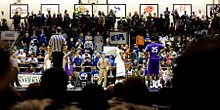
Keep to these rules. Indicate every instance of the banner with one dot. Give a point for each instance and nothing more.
(9, 35)
(26, 79)
(118, 37)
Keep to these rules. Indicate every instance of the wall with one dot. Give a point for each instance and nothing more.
(132, 5)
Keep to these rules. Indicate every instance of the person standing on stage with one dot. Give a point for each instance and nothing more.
(56, 45)
(15, 68)
(103, 65)
(153, 50)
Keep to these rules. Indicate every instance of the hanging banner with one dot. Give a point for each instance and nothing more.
(118, 37)
(9, 35)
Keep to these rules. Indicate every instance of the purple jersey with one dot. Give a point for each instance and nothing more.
(154, 49)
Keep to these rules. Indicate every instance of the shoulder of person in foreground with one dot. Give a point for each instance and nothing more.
(130, 106)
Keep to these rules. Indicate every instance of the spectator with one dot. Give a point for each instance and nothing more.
(93, 98)
(54, 84)
(16, 21)
(32, 60)
(21, 56)
(8, 96)
(98, 42)
(118, 96)
(30, 69)
(191, 64)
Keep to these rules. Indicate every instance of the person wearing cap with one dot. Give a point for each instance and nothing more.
(103, 65)
(56, 44)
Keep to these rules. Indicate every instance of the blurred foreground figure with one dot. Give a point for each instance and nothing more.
(195, 83)
(8, 96)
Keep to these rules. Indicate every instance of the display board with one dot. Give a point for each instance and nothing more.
(53, 8)
(118, 9)
(212, 8)
(22, 10)
(146, 9)
(181, 8)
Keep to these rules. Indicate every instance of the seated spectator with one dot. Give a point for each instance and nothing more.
(43, 49)
(21, 56)
(96, 58)
(88, 49)
(32, 49)
(30, 69)
(86, 54)
(87, 62)
(79, 44)
(93, 97)
(32, 60)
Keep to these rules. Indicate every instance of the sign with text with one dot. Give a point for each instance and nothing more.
(9, 35)
(118, 37)
(26, 79)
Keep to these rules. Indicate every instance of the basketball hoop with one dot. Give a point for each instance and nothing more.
(93, 1)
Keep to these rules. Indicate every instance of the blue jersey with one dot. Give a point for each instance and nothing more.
(154, 49)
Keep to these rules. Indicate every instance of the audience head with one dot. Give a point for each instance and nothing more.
(93, 97)
(194, 74)
(54, 84)
(135, 91)
(118, 90)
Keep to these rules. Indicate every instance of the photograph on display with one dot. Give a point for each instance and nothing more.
(146, 9)
(53, 8)
(118, 9)
(100, 7)
(22, 10)
(211, 9)
(83, 8)
(181, 8)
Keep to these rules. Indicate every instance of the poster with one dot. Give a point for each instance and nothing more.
(146, 9)
(83, 8)
(181, 8)
(9, 35)
(100, 7)
(22, 10)
(118, 9)
(118, 37)
(53, 8)
(214, 8)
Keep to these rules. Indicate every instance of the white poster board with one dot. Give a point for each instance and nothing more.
(146, 9)
(53, 8)
(118, 38)
(100, 7)
(9, 35)
(83, 8)
(181, 8)
(118, 9)
(22, 10)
